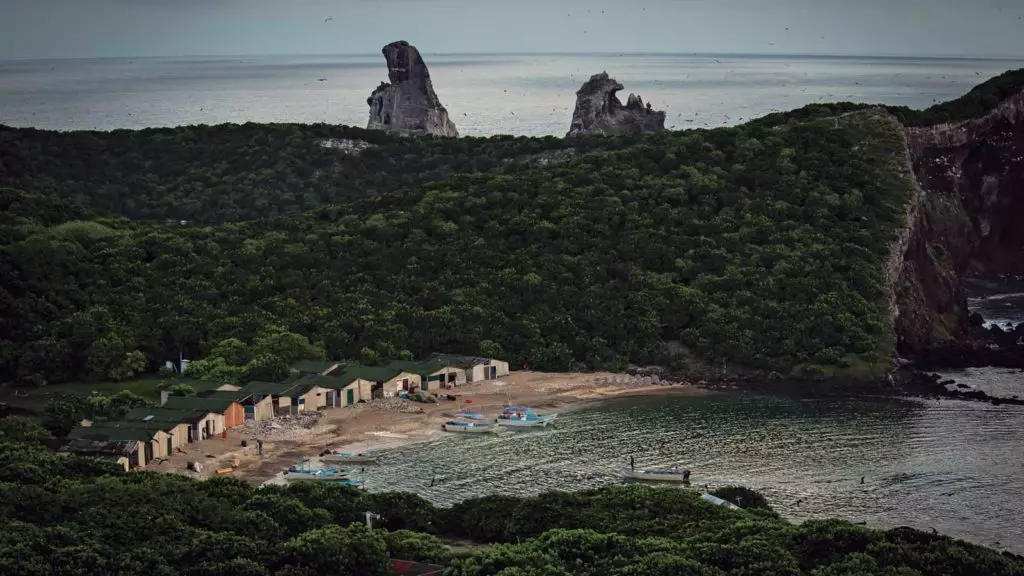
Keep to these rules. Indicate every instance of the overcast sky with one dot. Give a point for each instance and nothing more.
(98, 28)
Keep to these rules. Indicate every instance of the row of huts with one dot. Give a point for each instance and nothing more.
(145, 434)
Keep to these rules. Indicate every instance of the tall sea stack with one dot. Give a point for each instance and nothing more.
(599, 111)
(408, 105)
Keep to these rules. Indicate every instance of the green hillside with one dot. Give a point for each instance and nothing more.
(74, 515)
(755, 245)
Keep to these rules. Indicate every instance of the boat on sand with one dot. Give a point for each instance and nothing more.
(659, 475)
(469, 427)
(349, 458)
(301, 472)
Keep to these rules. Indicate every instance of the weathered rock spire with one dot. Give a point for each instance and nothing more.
(599, 110)
(408, 105)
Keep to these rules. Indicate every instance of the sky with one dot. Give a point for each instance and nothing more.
(126, 28)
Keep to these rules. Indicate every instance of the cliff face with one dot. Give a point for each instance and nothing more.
(599, 110)
(968, 218)
(408, 104)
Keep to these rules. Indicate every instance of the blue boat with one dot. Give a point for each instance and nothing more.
(304, 471)
(349, 482)
(521, 419)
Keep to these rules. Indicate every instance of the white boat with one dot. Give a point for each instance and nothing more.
(469, 427)
(525, 419)
(662, 475)
(349, 458)
(294, 475)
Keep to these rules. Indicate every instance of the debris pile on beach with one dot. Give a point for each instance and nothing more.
(631, 381)
(285, 426)
(392, 405)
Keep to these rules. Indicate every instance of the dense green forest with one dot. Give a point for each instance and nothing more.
(759, 245)
(71, 515)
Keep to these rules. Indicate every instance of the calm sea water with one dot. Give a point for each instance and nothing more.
(485, 94)
(954, 466)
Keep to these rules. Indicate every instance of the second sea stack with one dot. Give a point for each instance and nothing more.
(599, 111)
(408, 105)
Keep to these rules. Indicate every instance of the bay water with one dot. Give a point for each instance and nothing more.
(518, 94)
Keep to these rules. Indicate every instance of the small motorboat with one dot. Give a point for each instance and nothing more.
(349, 458)
(517, 419)
(349, 482)
(304, 471)
(469, 427)
(659, 475)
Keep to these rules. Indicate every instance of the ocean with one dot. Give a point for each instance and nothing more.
(526, 95)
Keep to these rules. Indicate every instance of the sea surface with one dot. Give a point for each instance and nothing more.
(954, 466)
(531, 95)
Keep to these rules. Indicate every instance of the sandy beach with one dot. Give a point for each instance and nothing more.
(392, 423)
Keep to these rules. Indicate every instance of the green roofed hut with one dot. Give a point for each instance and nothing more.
(477, 369)
(434, 374)
(151, 441)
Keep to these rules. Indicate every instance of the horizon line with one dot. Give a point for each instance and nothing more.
(766, 55)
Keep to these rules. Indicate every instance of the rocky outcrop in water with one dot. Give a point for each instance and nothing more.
(599, 110)
(968, 221)
(408, 104)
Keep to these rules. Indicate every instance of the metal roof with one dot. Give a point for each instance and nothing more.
(105, 434)
(371, 373)
(424, 368)
(218, 404)
(273, 388)
(81, 445)
(315, 366)
(164, 415)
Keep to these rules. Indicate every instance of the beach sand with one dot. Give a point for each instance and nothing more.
(367, 427)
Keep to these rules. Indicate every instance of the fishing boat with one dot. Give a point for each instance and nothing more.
(469, 427)
(294, 474)
(520, 419)
(349, 482)
(349, 458)
(659, 475)
(303, 470)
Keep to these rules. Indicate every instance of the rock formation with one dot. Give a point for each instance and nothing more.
(965, 220)
(408, 105)
(599, 111)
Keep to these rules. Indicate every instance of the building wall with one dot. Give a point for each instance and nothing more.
(124, 461)
(315, 399)
(393, 387)
(460, 378)
(478, 372)
(234, 415)
(264, 409)
(365, 390)
(216, 425)
(159, 443)
(179, 435)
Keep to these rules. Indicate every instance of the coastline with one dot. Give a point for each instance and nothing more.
(394, 423)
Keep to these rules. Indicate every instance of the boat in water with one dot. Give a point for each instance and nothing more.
(659, 475)
(469, 427)
(349, 458)
(524, 419)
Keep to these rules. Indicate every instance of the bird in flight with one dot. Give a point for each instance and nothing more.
(329, 18)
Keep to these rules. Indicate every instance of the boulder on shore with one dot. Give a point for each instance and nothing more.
(408, 105)
(599, 110)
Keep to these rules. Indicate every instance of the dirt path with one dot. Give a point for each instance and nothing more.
(392, 423)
